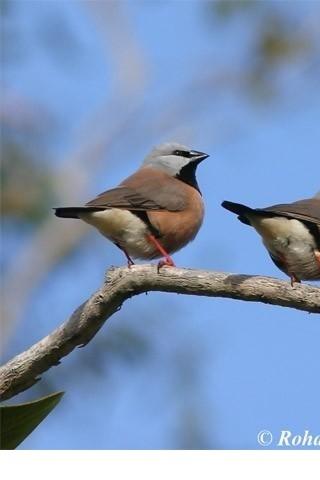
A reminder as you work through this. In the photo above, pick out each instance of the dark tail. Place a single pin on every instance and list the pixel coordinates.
(67, 212)
(73, 212)
(239, 209)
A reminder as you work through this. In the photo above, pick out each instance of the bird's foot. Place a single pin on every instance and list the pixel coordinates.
(294, 279)
(285, 267)
(317, 255)
(167, 260)
(130, 262)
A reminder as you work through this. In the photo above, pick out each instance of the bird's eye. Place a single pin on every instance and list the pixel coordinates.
(181, 153)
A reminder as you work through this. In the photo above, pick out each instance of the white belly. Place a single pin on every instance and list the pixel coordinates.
(122, 227)
(290, 240)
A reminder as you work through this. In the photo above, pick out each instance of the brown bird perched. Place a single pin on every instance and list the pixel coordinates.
(154, 212)
(290, 233)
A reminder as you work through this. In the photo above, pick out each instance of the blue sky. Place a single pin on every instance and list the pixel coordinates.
(214, 372)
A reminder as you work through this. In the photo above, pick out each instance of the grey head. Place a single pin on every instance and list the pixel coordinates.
(176, 160)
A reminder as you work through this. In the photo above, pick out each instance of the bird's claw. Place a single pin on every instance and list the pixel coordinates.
(294, 279)
(166, 261)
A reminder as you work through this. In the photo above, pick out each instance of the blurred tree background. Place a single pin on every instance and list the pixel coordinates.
(88, 87)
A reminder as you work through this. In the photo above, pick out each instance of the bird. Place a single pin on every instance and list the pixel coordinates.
(290, 232)
(154, 212)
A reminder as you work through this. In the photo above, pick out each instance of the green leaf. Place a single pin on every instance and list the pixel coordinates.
(18, 421)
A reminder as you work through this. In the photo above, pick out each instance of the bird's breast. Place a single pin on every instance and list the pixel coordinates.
(177, 229)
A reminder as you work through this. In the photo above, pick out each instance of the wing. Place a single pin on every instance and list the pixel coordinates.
(147, 189)
(305, 210)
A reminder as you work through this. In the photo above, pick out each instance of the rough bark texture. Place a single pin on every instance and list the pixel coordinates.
(23, 370)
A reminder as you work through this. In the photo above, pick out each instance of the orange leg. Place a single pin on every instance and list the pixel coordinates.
(167, 260)
(317, 255)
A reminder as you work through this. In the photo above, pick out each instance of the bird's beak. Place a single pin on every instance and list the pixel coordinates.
(198, 156)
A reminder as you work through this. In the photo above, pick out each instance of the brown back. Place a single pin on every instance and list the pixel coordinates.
(147, 189)
(307, 210)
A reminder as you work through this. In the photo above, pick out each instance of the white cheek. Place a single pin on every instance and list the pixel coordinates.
(170, 164)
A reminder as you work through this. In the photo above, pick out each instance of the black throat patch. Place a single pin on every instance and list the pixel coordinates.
(188, 175)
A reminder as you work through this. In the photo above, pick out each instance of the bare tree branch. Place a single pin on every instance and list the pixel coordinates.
(23, 370)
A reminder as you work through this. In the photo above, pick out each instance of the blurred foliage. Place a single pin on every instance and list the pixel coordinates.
(11, 43)
(277, 38)
(26, 185)
(276, 44)
(58, 39)
(54, 33)
(224, 8)
(124, 345)
(4, 6)
(18, 421)
(279, 41)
